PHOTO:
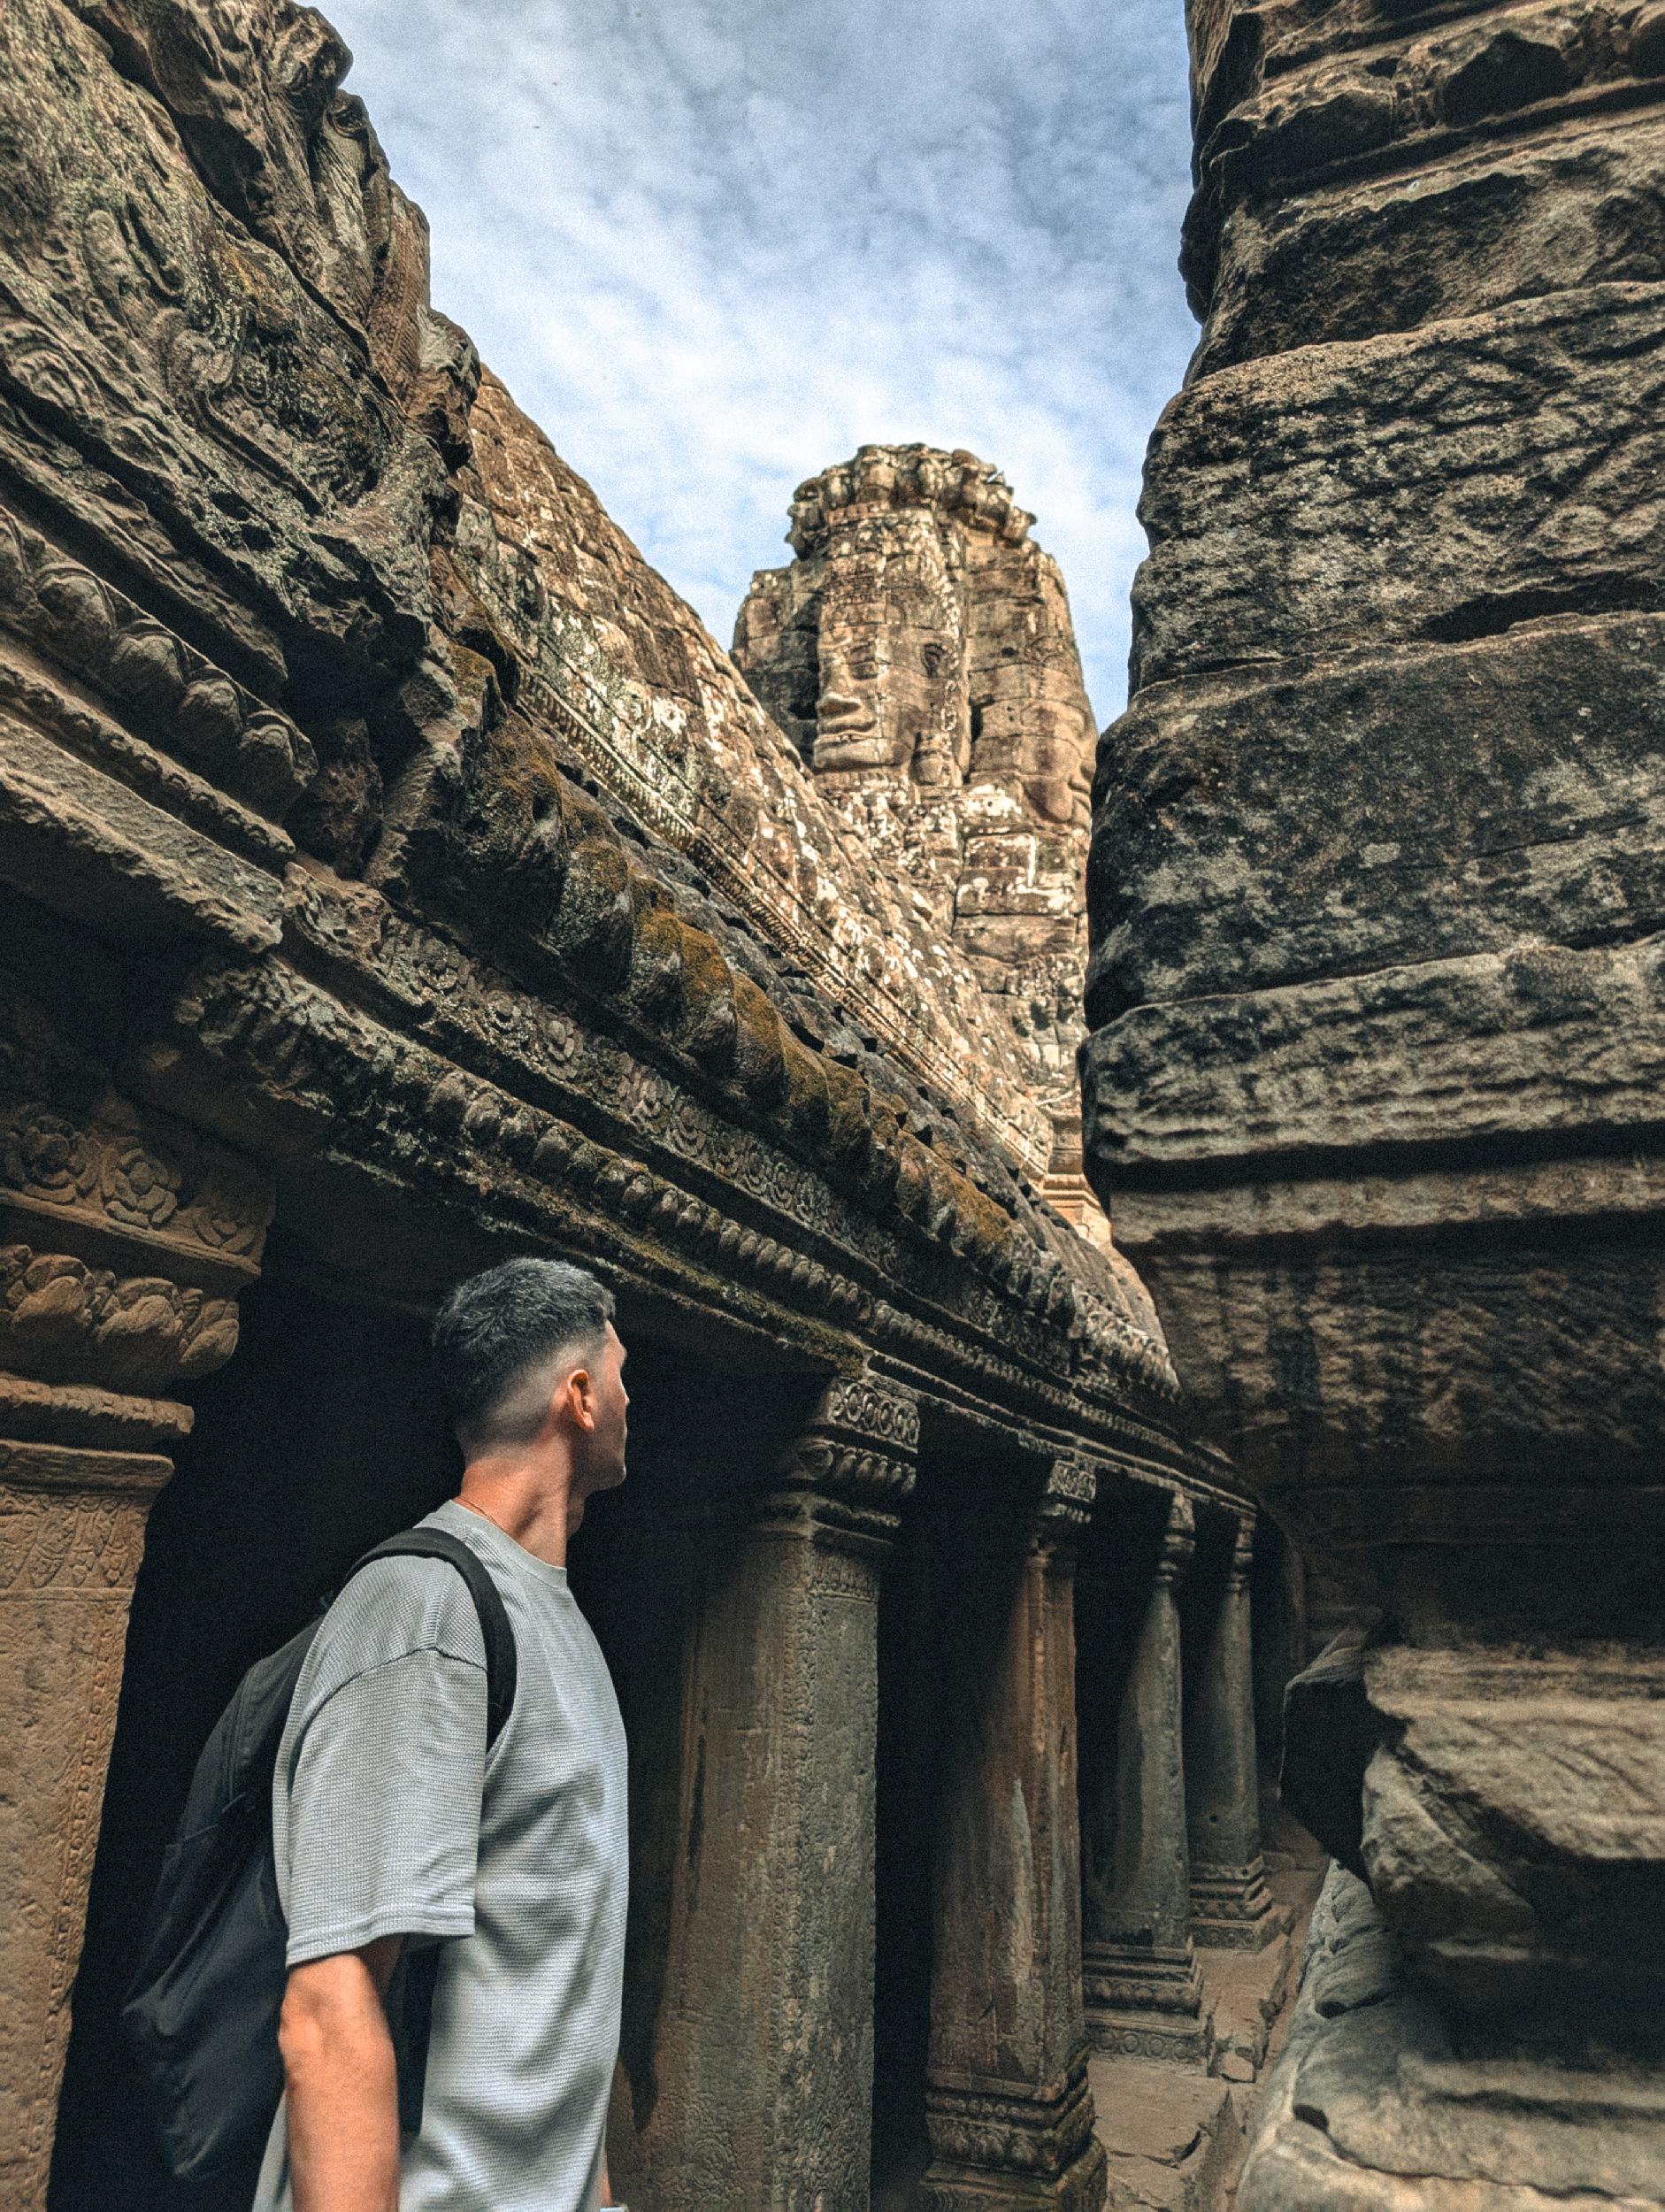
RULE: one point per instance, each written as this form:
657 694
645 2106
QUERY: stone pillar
1229 1907
124 1244
1009 2110
1143 1994
763 2059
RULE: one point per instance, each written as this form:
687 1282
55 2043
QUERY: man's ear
579 1397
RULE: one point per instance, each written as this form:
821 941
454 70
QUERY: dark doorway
1114 1574
944 1602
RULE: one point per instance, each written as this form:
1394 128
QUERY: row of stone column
760 2085
762 2058
761 2071
1173 1859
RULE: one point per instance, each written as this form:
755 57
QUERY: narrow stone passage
1176 2131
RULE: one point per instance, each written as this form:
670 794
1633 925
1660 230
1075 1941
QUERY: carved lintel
851 1471
448 1083
875 1411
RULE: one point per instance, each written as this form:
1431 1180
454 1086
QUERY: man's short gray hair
499 1332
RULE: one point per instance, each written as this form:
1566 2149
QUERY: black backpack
201 2015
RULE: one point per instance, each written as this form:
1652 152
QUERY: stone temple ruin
919 654
394 874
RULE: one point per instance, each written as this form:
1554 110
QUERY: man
393 1828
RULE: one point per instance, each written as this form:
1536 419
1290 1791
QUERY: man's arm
340 2082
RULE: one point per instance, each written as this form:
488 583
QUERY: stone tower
1376 995
919 654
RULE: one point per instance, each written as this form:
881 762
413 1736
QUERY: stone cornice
372 1097
412 977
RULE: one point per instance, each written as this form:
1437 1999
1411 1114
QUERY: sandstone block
1490 800
1515 1825
1442 482
1500 222
1403 1398
1537 1039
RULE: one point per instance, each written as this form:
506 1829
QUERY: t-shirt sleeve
384 1774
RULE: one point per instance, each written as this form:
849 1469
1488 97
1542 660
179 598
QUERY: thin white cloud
713 245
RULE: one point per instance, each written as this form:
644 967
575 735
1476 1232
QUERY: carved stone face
891 651
847 730
920 652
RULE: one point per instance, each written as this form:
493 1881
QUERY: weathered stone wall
919 654
647 697
1372 1089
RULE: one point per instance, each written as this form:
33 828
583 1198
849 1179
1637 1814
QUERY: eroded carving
920 654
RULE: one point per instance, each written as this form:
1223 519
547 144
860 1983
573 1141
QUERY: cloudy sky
714 245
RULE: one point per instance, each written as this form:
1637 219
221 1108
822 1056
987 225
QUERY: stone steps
1174 2139
1175 2133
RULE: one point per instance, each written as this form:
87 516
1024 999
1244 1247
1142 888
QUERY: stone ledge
1373 2107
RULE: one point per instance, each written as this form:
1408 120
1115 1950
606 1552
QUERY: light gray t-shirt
388 1818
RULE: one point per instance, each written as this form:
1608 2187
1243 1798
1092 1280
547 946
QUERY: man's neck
535 1510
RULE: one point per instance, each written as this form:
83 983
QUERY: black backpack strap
421 1966
501 1662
